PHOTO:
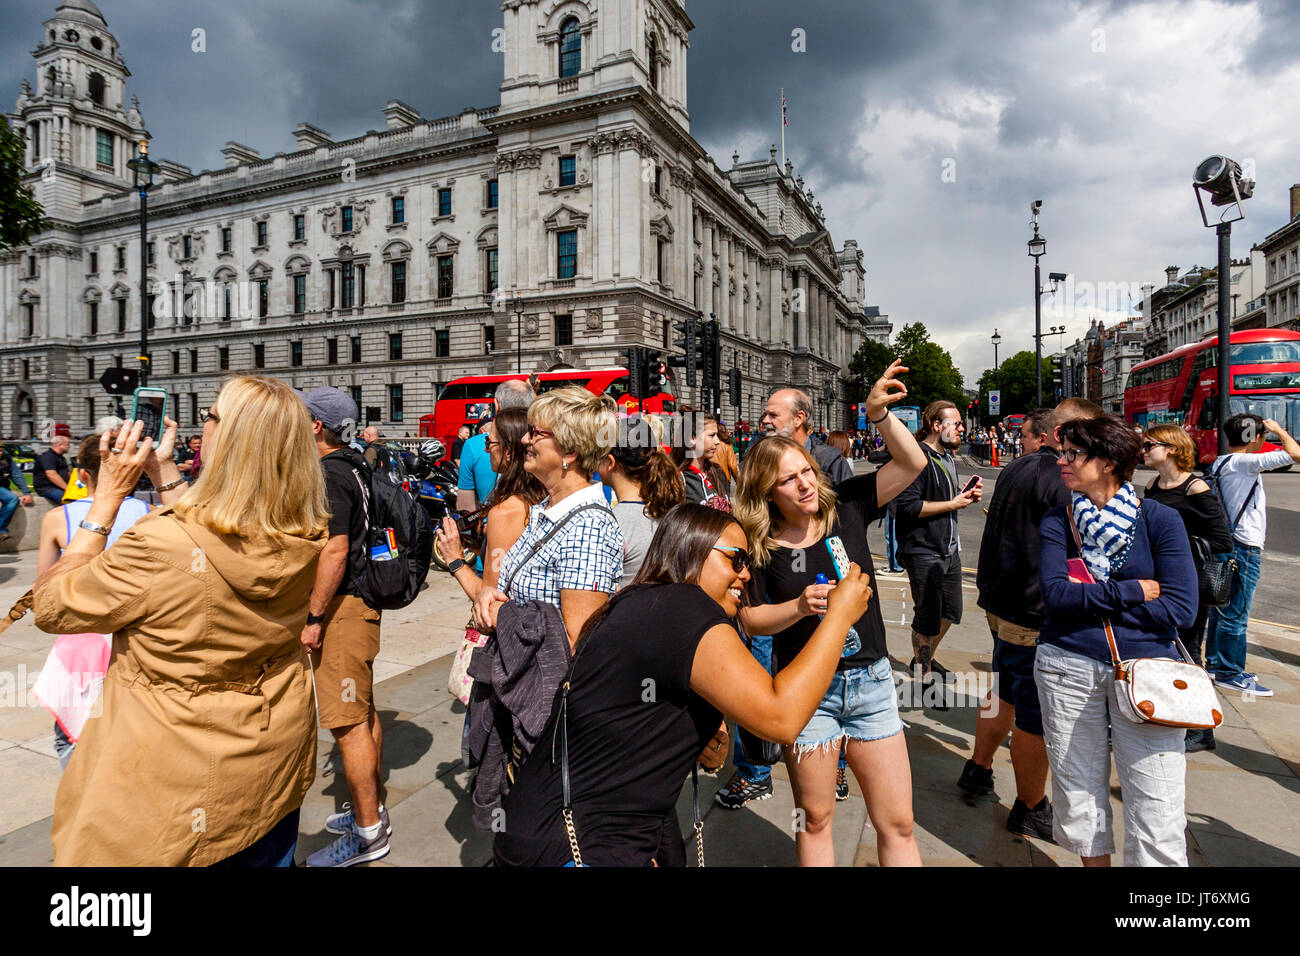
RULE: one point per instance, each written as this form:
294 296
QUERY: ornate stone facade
385 263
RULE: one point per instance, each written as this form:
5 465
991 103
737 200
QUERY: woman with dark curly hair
647 485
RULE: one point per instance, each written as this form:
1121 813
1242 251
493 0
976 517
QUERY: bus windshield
1283 409
1265 353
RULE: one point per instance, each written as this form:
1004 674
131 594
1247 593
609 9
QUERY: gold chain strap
573 838
699 842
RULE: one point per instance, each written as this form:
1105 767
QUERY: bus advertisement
1181 387
465 401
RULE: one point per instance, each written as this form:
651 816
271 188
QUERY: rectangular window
665 333
261 233
194 408
104 148
394 403
395 346
94 318
489 339
94 263
90 369
225 238
227 294
659 180
444 202
29 319
194 361
90 413
566 266
188 309
493 197
348 284
564 330
491 270
259 355
31 267
117 361
223 357
347 219
332 351
34 134
399 210
120 257
355 392
568 170
295 354
299 226
361 286
150 305
441 343
445 277
187 247
659 260
356 351
263 297
176 362
299 294
399 282
150 259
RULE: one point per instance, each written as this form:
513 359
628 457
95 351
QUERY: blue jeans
891 543
8 505
53 495
1225 637
275 849
761 648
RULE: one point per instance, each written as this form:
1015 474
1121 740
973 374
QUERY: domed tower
80 128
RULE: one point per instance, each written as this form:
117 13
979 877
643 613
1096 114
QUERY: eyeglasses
488 443
1148 445
740 559
210 416
1071 454
534 432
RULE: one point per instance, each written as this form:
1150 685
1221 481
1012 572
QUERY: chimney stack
400 115
1295 200
1171 275
309 136
237 153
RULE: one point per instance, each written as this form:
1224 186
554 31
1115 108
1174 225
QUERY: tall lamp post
997 340
519 335
143 169
1037 249
1221 178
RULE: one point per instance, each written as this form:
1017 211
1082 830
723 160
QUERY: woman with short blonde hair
206 744
583 424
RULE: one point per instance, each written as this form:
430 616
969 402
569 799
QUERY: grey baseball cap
331 407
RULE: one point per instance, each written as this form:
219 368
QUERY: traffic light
636 372
711 363
656 374
733 387
689 343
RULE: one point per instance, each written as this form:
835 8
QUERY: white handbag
1156 690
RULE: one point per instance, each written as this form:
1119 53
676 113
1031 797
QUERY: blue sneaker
342 822
1246 683
350 849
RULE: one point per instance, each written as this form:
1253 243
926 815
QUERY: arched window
652 54
97 89
570 48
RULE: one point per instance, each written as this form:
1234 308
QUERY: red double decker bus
464 401
1181 388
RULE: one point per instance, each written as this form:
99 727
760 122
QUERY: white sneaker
342 822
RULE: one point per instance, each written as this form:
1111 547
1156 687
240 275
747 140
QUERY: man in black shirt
928 545
343 634
50 476
1007 580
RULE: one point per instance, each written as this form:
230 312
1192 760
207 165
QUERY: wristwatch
97 528
455 566
315 619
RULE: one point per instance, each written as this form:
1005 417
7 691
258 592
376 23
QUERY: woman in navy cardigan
1140 561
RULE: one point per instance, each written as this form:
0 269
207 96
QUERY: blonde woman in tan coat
206 744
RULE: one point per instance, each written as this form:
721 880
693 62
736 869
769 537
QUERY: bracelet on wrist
169 486
877 421
454 566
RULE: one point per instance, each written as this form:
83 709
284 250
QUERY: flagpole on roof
783 127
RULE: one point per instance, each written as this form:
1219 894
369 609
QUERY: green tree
20 213
1016 379
867 365
932 374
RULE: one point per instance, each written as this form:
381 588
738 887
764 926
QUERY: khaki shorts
345 664
1004 630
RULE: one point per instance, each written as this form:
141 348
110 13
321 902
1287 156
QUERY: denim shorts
861 703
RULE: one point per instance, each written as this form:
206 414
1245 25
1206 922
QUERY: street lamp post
1223 180
1037 248
143 169
519 335
997 340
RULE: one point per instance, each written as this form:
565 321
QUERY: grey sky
1100 110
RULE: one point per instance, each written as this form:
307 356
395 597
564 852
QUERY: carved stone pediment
442 243
565 216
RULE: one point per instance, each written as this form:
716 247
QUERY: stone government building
385 264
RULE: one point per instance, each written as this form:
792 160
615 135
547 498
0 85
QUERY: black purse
1214 575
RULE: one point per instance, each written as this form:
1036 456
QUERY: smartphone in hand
149 405
971 483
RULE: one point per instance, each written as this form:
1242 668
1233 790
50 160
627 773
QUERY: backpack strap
1232 528
533 551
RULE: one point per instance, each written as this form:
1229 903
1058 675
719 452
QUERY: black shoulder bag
1214 576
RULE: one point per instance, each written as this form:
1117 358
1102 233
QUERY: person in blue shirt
476 479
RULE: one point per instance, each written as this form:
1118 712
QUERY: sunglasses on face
210 416
1148 445
740 559
1071 454
535 432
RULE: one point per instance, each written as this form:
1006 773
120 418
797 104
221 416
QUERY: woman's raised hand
121 461
852 595
813 599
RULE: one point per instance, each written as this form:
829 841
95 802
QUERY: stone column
707 225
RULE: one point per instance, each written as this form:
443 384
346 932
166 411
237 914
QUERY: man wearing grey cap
342 633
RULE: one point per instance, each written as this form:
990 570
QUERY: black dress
635 730
1203 517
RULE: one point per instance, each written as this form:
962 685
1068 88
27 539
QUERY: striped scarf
1107 533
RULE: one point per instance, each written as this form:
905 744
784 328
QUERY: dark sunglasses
210 416
1148 445
740 559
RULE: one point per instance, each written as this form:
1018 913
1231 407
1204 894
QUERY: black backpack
399 538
